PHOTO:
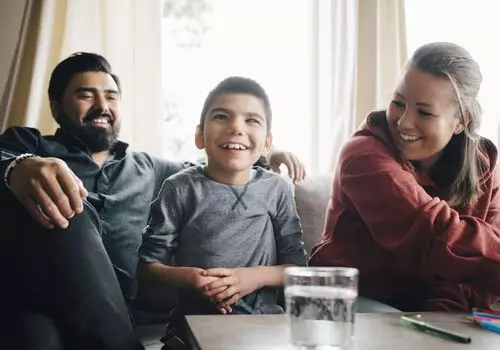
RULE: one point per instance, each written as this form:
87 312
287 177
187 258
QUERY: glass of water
320 306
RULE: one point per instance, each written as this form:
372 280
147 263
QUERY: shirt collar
119 148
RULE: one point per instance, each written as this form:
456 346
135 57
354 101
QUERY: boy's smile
234 147
234 136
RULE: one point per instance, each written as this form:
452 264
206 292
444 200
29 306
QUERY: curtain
362 48
381 53
126 32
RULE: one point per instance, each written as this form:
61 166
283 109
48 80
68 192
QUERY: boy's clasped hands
224 286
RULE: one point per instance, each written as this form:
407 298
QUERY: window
473 25
205 41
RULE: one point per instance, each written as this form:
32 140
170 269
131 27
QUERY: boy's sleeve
287 230
160 235
164 169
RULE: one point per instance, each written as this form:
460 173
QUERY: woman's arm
426 237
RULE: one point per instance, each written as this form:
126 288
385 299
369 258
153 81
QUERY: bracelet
12 165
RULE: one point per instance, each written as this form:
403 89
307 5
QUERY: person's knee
30 330
87 221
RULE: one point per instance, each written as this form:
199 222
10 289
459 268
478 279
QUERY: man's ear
54 109
199 139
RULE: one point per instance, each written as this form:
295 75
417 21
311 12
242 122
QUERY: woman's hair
461 156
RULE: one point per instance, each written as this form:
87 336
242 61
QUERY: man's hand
48 189
232 284
296 169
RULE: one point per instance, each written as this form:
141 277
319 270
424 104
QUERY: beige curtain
126 32
381 53
362 54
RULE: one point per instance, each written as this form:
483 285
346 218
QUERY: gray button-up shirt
122 188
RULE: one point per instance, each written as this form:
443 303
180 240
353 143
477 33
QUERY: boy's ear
268 143
199 140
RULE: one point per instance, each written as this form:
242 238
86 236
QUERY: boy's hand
232 284
196 278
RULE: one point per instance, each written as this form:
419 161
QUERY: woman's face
422 116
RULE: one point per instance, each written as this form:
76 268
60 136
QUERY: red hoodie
413 251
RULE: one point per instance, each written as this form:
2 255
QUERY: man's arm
14 142
45 186
296 169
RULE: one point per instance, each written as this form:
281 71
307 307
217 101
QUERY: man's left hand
296 169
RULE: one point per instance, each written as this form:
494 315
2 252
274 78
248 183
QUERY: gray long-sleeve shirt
199 222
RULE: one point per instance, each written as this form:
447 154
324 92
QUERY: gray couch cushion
311 197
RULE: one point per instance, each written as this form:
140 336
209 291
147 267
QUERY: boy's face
235 133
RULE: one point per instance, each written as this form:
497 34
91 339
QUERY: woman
415 202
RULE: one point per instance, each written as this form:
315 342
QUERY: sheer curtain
362 48
126 32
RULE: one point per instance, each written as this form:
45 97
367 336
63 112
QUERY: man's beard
96 138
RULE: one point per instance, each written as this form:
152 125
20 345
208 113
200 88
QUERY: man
75 206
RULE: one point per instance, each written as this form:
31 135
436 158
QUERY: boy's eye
219 117
253 120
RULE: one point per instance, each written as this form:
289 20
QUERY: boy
224 232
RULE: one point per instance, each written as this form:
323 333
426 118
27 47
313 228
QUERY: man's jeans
59 289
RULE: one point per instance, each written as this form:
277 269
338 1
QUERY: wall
11 12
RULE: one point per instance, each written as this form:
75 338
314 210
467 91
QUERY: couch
311 198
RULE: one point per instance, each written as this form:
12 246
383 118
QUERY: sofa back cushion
311 198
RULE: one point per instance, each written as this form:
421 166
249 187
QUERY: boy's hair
238 85
78 62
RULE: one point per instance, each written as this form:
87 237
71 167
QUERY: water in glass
321 316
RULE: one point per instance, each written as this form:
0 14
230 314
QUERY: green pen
422 326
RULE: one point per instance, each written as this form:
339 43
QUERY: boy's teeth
234 146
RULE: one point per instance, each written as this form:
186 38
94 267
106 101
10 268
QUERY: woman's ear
458 129
199 139
462 124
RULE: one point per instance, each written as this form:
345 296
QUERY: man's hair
79 62
238 85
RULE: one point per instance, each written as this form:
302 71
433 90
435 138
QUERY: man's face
90 110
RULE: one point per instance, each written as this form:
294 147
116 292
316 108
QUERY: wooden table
376 331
